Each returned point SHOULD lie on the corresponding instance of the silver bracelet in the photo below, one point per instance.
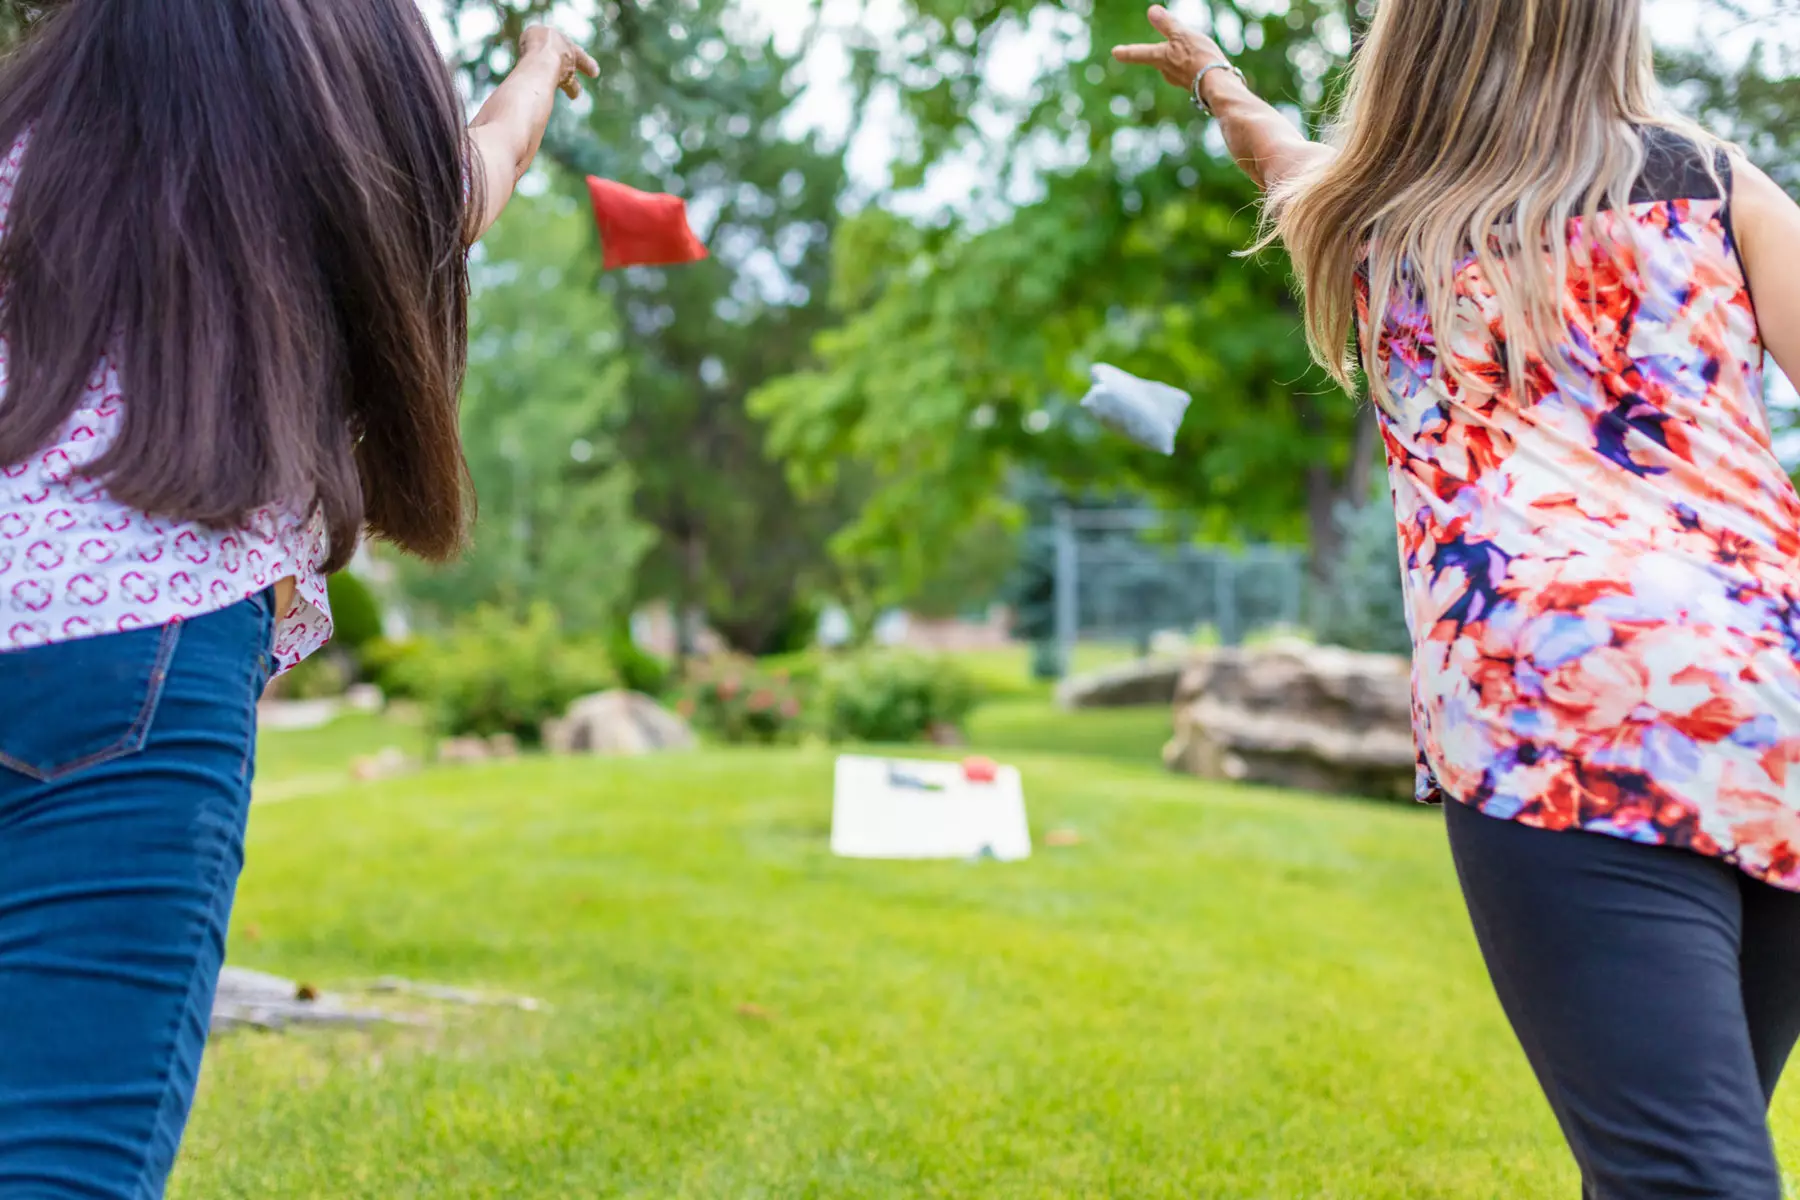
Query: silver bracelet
(1200, 100)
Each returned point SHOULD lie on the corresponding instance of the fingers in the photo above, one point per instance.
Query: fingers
(579, 62)
(1165, 22)
(1141, 56)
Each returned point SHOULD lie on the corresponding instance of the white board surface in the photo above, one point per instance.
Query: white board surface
(878, 812)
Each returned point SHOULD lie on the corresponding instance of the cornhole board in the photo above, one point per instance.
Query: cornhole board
(879, 811)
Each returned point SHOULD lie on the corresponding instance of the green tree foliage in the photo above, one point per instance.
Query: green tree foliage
(961, 348)
(1755, 99)
(544, 399)
(691, 103)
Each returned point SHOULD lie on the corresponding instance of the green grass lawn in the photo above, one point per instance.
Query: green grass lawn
(1126, 735)
(1006, 673)
(1219, 993)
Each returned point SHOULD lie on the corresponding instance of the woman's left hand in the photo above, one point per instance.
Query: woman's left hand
(1180, 59)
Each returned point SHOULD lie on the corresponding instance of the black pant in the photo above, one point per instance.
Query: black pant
(1656, 993)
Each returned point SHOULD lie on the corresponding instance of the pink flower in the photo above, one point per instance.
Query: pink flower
(762, 701)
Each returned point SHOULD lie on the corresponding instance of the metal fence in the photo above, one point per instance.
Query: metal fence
(1129, 575)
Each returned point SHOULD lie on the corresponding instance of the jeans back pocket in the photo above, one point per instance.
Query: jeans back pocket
(69, 706)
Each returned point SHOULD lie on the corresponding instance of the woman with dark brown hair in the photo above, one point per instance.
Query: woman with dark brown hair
(233, 327)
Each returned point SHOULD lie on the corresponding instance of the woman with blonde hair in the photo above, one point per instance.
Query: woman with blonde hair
(1561, 294)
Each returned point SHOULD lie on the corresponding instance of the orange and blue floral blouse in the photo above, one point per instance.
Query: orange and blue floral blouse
(1603, 574)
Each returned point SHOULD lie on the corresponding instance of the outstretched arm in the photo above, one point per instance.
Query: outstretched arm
(1264, 143)
(508, 131)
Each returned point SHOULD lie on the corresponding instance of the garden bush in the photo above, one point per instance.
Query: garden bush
(322, 676)
(393, 666)
(891, 696)
(637, 668)
(735, 701)
(497, 674)
(355, 615)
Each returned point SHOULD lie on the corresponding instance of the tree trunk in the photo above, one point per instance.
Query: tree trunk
(687, 597)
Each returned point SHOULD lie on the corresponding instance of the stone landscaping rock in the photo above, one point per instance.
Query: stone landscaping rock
(292, 715)
(464, 750)
(618, 722)
(254, 1000)
(1136, 684)
(391, 763)
(1312, 718)
(949, 736)
(364, 698)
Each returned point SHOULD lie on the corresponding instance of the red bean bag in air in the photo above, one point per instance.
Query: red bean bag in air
(638, 229)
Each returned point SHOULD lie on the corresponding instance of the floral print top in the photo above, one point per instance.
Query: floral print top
(76, 563)
(1603, 575)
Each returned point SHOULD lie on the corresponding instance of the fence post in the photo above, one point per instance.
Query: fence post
(1225, 605)
(1068, 595)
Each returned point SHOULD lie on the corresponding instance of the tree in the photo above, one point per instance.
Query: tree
(543, 402)
(692, 102)
(960, 347)
(1754, 100)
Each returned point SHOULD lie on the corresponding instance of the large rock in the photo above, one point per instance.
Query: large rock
(619, 722)
(1150, 681)
(1313, 718)
(255, 1000)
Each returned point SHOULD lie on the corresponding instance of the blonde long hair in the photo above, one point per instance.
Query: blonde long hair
(1471, 126)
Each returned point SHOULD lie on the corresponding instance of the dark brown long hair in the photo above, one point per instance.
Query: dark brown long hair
(256, 208)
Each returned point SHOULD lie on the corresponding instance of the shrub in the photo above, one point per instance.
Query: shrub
(803, 670)
(322, 676)
(637, 668)
(355, 614)
(893, 697)
(393, 666)
(735, 701)
(494, 674)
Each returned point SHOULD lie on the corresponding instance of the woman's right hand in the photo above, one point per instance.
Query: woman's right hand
(572, 62)
(508, 131)
(1181, 58)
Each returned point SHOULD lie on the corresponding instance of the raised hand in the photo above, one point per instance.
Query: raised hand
(572, 61)
(1180, 58)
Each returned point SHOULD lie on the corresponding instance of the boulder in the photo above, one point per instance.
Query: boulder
(255, 1000)
(289, 716)
(1148, 681)
(618, 722)
(364, 698)
(463, 750)
(391, 763)
(1311, 718)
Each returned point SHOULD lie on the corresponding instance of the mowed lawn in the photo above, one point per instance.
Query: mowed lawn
(1218, 993)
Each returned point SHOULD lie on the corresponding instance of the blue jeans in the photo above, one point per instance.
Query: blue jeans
(125, 766)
